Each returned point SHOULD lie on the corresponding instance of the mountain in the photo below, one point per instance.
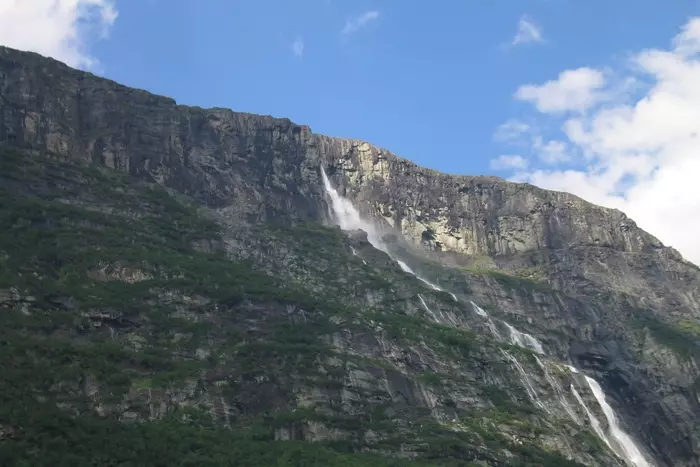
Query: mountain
(175, 290)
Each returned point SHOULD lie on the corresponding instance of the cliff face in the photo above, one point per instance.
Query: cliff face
(268, 167)
(596, 290)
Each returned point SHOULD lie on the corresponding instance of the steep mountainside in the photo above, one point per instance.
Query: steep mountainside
(174, 291)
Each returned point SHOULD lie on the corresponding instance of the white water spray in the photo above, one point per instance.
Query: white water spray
(349, 219)
(615, 438)
(489, 322)
(524, 340)
(430, 312)
(629, 450)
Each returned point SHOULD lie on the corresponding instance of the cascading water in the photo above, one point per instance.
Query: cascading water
(618, 441)
(525, 378)
(354, 253)
(407, 269)
(430, 312)
(615, 438)
(489, 322)
(595, 423)
(629, 450)
(524, 340)
(349, 219)
(558, 391)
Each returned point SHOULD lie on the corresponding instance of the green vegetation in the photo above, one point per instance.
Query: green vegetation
(116, 294)
(679, 338)
(529, 279)
(48, 437)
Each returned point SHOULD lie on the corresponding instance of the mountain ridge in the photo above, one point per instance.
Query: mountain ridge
(347, 339)
(331, 148)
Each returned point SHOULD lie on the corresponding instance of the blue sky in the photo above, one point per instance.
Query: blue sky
(429, 83)
(592, 97)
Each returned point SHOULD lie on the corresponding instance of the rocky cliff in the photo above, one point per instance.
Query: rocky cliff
(157, 257)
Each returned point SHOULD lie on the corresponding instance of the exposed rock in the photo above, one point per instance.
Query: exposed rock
(392, 359)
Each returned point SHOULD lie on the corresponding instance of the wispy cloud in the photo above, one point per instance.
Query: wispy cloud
(60, 29)
(298, 47)
(510, 131)
(527, 32)
(359, 22)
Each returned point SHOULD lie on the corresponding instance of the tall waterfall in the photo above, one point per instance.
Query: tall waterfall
(349, 219)
(615, 438)
(595, 423)
(629, 450)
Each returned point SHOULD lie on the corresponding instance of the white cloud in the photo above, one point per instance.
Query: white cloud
(508, 162)
(643, 156)
(359, 22)
(56, 28)
(572, 90)
(527, 32)
(298, 47)
(511, 130)
(550, 152)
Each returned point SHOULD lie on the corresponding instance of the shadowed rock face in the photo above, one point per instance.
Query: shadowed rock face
(599, 291)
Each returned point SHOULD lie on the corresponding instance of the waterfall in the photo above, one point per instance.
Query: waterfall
(489, 322)
(349, 219)
(558, 391)
(619, 442)
(407, 269)
(354, 253)
(524, 340)
(525, 378)
(629, 450)
(615, 438)
(595, 423)
(479, 311)
(430, 312)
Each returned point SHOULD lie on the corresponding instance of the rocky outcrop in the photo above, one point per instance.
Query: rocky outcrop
(597, 290)
(266, 167)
